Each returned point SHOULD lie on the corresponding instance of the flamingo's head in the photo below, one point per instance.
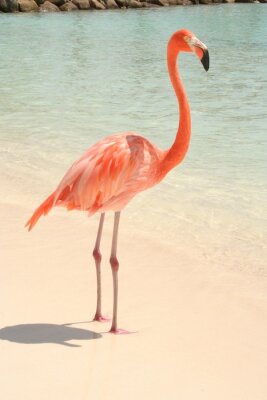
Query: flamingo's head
(188, 42)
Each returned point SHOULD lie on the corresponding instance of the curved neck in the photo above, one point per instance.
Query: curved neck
(180, 146)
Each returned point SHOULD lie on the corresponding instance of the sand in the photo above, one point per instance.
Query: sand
(199, 329)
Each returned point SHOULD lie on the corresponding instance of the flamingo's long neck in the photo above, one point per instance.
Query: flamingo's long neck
(180, 146)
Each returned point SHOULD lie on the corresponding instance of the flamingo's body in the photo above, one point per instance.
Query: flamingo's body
(114, 170)
(107, 176)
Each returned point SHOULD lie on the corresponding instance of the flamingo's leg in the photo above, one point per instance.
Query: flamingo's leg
(97, 256)
(115, 267)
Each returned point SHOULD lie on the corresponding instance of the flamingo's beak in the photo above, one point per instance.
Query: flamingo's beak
(205, 60)
(201, 50)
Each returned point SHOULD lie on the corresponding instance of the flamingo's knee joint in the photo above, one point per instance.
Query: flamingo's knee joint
(97, 255)
(114, 263)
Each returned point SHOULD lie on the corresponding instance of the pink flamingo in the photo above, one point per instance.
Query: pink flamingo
(114, 170)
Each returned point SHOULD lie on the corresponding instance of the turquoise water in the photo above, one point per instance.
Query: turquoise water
(66, 80)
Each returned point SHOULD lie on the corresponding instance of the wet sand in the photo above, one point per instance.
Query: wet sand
(200, 329)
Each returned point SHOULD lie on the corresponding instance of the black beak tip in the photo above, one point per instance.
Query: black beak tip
(205, 60)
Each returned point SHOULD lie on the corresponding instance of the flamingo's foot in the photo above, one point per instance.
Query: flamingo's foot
(118, 331)
(101, 318)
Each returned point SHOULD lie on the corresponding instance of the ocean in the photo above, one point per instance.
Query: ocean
(69, 79)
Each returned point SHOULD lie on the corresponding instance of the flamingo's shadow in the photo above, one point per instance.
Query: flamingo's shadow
(46, 333)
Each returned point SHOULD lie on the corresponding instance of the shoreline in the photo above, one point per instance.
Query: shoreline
(14, 6)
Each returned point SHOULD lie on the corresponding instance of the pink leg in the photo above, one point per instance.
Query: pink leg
(97, 256)
(115, 267)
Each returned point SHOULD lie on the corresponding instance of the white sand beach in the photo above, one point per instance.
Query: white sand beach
(199, 332)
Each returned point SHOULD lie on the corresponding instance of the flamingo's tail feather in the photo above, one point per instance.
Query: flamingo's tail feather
(43, 209)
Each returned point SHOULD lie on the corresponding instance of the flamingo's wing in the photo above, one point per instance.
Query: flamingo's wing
(110, 172)
(106, 177)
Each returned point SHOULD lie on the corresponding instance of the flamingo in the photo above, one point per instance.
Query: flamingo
(111, 172)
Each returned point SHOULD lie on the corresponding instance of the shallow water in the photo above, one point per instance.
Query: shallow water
(67, 80)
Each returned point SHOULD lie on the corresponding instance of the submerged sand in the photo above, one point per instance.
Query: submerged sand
(200, 328)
